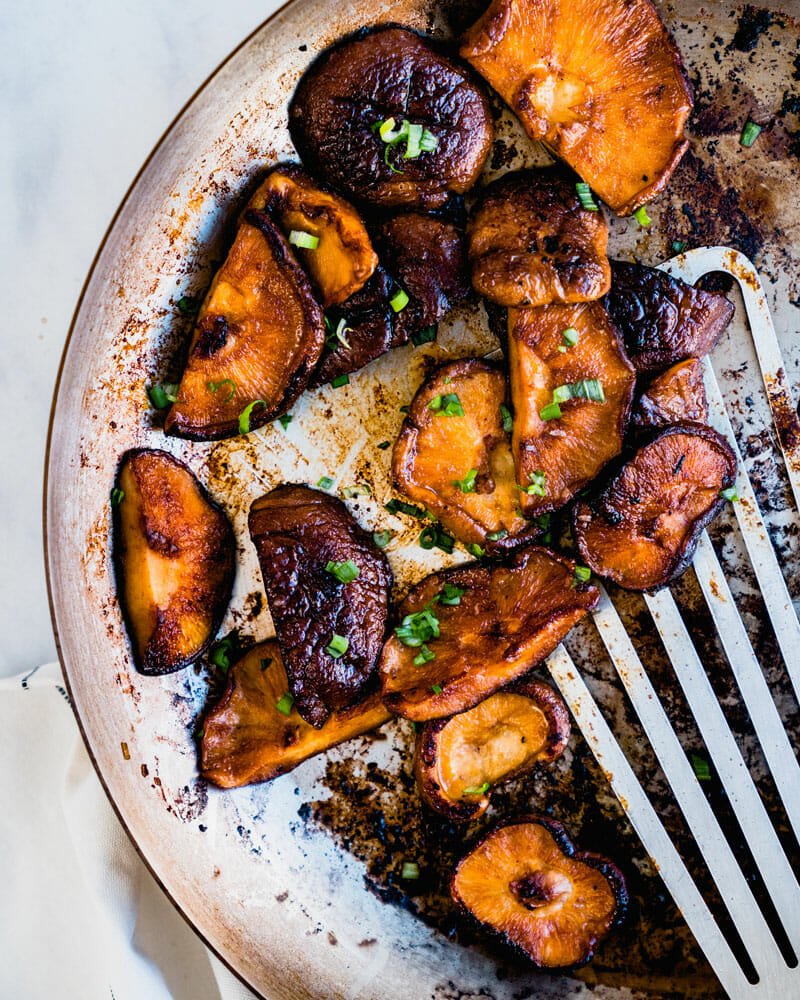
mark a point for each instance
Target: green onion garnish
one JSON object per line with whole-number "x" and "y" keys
{"x": 550, "y": 412}
{"x": 730, "y": 494}
{"x": 345, "y": 572}
{"x": 750, "y": 133}
{"x": 436, "y": 688}
{"x": 582, "y": 574}
{"x": 418, "y": 628}
{"x": 701, "y": 769}
{"x": 451, "y": 595}
{"x": 586, "y": 199}
{"x": 117, "y": 496}
{"x": 395, "y": 506}
{"x": 222, "y": 651}
{"x": 424, "y": 336}
{"x": 410, "y": 870}
{"x": 305, "y": 240}
{"x": 434, "y": 537}
{"x": 325, "y": 482}
{"x": 285, "y": 420}
{"x": 162, "y": 396}
{"x": 508, "y": 420}
{"x": 337, "y": 334}
{"x": 399, "y": 300}
{"x": 244, "y": 416}
{"x": 339, "y": 381}
{"x": 467, "y": 484}
{"x": 587, "y": 388}
{"x": 338, "y": 646}
{"x": 213, "y": 386}
{"x": 477, "y": 789}
{"x": 424, "y": 655}
{"x": 386, "y": 129}
{"x": 403, "y": 409}
{"x": 641, "y": 216}
{"x": 357, "y": 490}
{"x": 413, "y": 143}
{"x": 537, "y": 485}
{"x": 474, "y": 549}
{"x": 381, "y": 538}
{"x": 284, "y": 706}
{"x": 570, "y": 336}
{"x": 678, "y": 246}
{"x": 448, "y": 405}
{"x": 495, "y": 536}
{"x": 188, "y": 305}
{"x": 383, "y": 445}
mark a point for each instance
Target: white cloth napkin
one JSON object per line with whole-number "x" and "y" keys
{"x": 80, "y": 915}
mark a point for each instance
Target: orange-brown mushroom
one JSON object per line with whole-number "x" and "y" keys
{"x": 676, "y": 395}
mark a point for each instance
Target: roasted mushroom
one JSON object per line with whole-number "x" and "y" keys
{"x": 527, "y": 884}
{"x": 676, "y": 395}
{"x": 327, "y": 585}
{"x": 258, "y": 337}
{"x": 600, "y": 84}
{"x": 643, "y": 528}
{"x": 532, "y": 243}
{"x": 662, "y": 319}
{"x": 388, "y": 120}
{"x": 358, "y": 331}
{"x": 175, "y": 560}
{"x": 466, "y": 632}
{"x": 453, "y": 455}
{"x": 571, "y": 386}
{"x": 326, "y": 232}
{"x": 459, "y": 760}
{"x": 254, "y": 733}
{"x": 427, "y": 259}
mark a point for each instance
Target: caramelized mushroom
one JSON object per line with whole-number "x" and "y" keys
{"x": 426, "y": 257}
{"x": 258, "y": 336}
{"x": 662, "y": 319}
{"x": 527, "y": 884}
{"x": 327, "y": 585}
{"x": 254, "y": 733}
{"x": 643, "y": 528}
{"x": 341, "y": 259}
{"x": 676, "y": 395}
{"x": 460, "y": 467}
{"x": 532, "y": 243}
{"x": 174, "y": 552}
{"x": 348, "y": 113}
{"x": 559, "y": 447}
{"x": 459, "y": 760}
{"x": 600, "y": 84}
{"x": 466, "y": 632}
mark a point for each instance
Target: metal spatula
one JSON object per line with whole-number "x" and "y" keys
{"x": 778, "y": 979}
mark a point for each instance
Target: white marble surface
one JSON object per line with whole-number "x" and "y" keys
{"x": 86, "y": 90}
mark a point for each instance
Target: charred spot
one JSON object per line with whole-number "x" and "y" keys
{"x": 212, "y": 335}
{"x": 753, "y": 22}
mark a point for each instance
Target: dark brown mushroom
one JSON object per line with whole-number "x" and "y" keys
{"x": 677, "y": 394}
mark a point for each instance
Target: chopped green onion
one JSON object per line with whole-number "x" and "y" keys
{"x": 117, "y": 496}
{"x": 495, "y": 536}
{"x": 435, "y": 403}
{"x": 413, "y": 143}
{"x": 305, "y": 240}
{"x": 410, "y": 870}
{"x": 537, "y": 485}
{"x": 678, "y": 246}
{"x": 750, "y": 133}
{"x": 508, "y": 420}
{"x": 585, "y": 195}
{"x": 223, "y": 651}
{"x": 451, "y": 595}
{"x": 384, "y": 445}
{"x": 701, "y": 769}
{"x": 161, "y": 396}
{"x": 395, "y": 506}
{"x": 477, "y": 789}
{"x": 244, "y": 416}
{"x": 550, "y": 412}
{"x": 467, "y": 484}
{"x": 730, "y": 494}
{"x": 429, "y": 141}
{"x": 284, "y": 706}
{"x": 436, "y": 688}
{"x": 339, "y": 381}
{"x": 345, "y": 572}
{"x": 337, "y": 335}
{"x": 188, "y": 305}
{"x": 285, "y": 420}
{"x": 404, "y": 409}
{"x": 399, "y": 300}
{"x": 418, "y": 628}
{"x": 424, "y": 655}
{"x": 424, "y": 336}
{"x": 325, "y": 482}
{"x": 582, "y": 574}
{"x": 338, "y": 646}
{"x": 381, "y": 538}
{"x": 588, "y": 388}
{"x": 448, "y": 405}
{"x": 434, "y": 537}
{"x": 213, "y": 386}
{"x": 642, "y": 217}
{"x": 570, "y": 336}
{"x": 357, "y": 490}
{"x": 385, "y": 129}
{"x": 474, "y": 549}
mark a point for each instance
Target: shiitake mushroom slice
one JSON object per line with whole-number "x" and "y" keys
{"x": 339, "y": 256}
{"x": 175, "y": 558}
{"x": 641, "y": 531}
{"x": 327, "y": 586}
{"x": 560, "y": 447}
{"x": 466, "y": 632}
{"x": 340, "y": 119}
{"x": 528, "y": 885}
{"x": 259, "y": 334}
{"x": 663, "y": 319}
{"x": 531, "y": 242}
{"x": 254, "y": 733}
{"x": 426, "y": 257}
{"x": 458, "y": 761}
{"x": 678, "y": 394}
{"x": 453, "y": 456}
{"x": 600, "y": 84}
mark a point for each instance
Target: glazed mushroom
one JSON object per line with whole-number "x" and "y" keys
{"x": 464, "y": 633}
{"x": 388, "y": 120}
{"x": 259, "y": 334}
{"x": 662, "y": 319}
{"x": 600, "y": 84}
{"x": 175, "y": 559}
{"x": 676, "y": 395}
{"x": 453, "y": 455}
{"x": 532, "y": 243}
{"x": 327, "y": 586}
{"x": 458, "y": 761}
{"x": 571, "y": 387}
{"x": 527, "y": 884}
{"x": 643, "y": 528}
{"x": 254, "y": 732}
